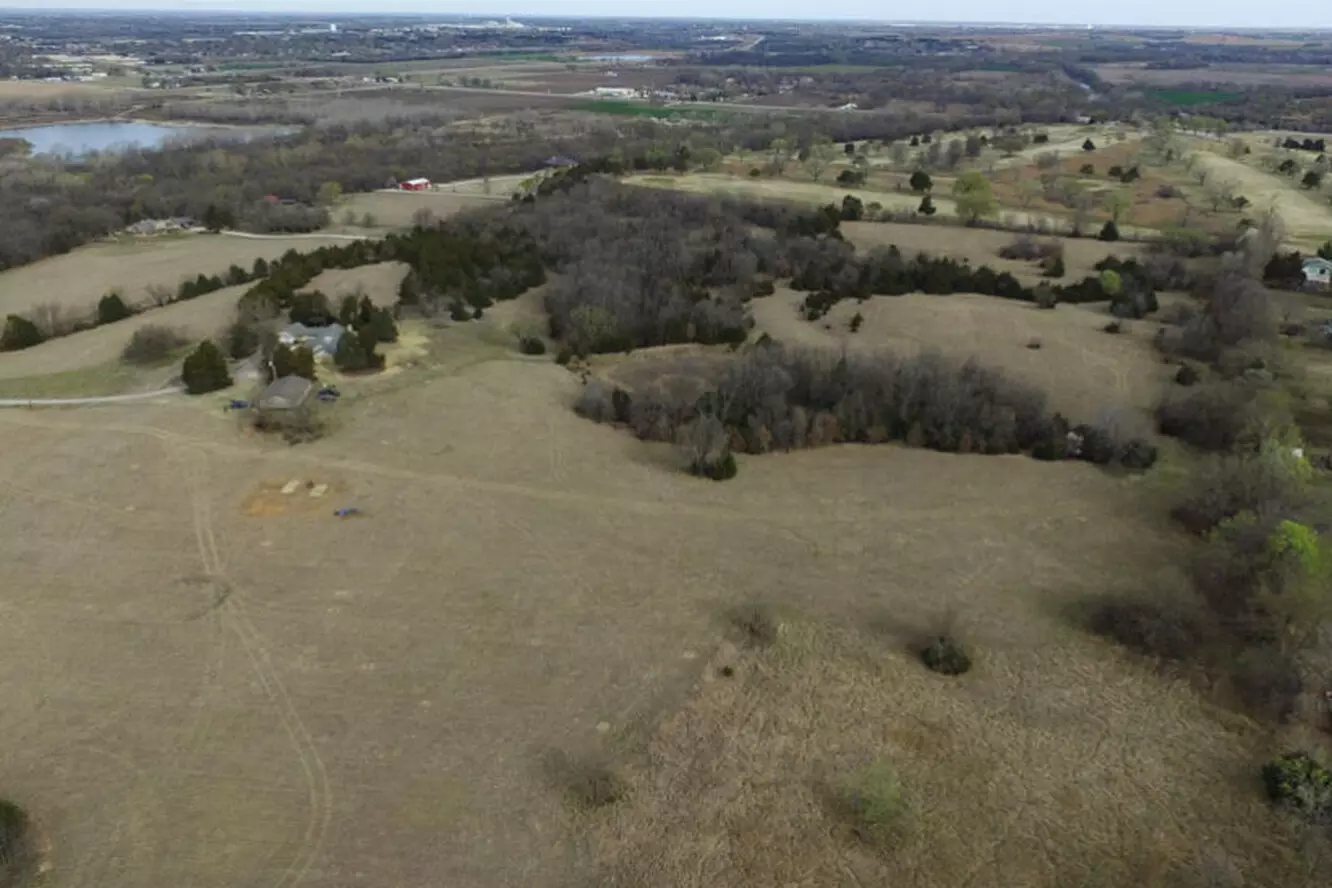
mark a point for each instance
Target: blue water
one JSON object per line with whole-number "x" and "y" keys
{"x": 79, "y": 139}
{"x": 621, "y": 57}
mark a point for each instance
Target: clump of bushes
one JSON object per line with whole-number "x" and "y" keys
{"x": 946, "y": 655}
{"x": 532, "y": 345}
{"x": 152, "y": 344}
{"x": 1027, "y": 249}
{"x": 589, "y": 781}
{"x": 19, "y": 333}
{"x": 1298, "y": 781}
{"x": 112, "y": 308}
{"x": 1150, "y": 628}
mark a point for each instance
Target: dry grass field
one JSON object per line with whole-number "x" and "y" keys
{"x": 1049, "y": 765}
{"x": 242, "y": 692}
{"x": 981, "y": 246}
{"x": 1084, "y": 369}
{"x": 1290, "y": 76}
{"x": 379, "y": 282}
{"x": 76, "y": 280}
{"x": 1308, "y": 221}
{"x": 198, "y": 318}
{"x": 395, "y": 209}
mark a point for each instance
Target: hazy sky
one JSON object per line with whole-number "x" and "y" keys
{"x": 1198, "y": 13}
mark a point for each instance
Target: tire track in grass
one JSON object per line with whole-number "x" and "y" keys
{"x": 252, "y": 645}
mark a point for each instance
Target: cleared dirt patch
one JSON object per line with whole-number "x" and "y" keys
{"x": 78, "y": 279}
{"x": 1083, "y": 369}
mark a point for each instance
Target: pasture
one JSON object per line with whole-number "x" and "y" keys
{"x": 980, "y": 246}
{"x": 75, "y": 281}
{"x": 200, "y": 318}
{"x": 1083, "y": 369}
{"x": 1308, "y": 220}
{"x": 395, "y": 209}
{"x": 299, "y": 699}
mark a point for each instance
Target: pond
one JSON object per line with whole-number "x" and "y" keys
{"x": 79, "y": 139}
{"x": 621, "y": 57}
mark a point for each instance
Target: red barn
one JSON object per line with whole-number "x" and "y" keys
{"x": 415, "y": 185}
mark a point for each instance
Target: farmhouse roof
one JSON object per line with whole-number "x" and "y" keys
{"x": 286, "y": 393}
{"x": 320, "y": 339}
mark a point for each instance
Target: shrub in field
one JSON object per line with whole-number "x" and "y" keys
{"x": 706, "y": 447}
{"x": 1297, "y": 780}
{"x": 1150, "y": 628}
{"x": 921, "y": 181}
{"x": 205, "y": 370}
{"x": 1187, "y": 375}
{"x": 532, "y": 345}
{"x": 1114, "y": 327}
{"x": 112, "y": 308}
{"x": 152, "y": 344}
{"x": 1109, "y": 231}
{"x": 1209, "y": 417}
{"x": 1268, "y": 682}
{"x": 19, "y": 333}
{"x": 241, "y": 339}
{"x": 946, "y": 655}
{"x": 15, "y": 851}
{"x": 874, "y": 801}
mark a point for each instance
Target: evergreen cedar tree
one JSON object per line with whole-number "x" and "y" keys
{"x": 205, "y": 370}
{"x": 1109, "y": 232}
{"x": 927, "y": 207}
{"x": 1089, "y": 145}
{"x": 19, "y": 333}
{"x": 111, "y": 308}
{"x": 921, "y": 181}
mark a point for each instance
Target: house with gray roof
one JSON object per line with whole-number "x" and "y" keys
{"x": 323, "y": 341}
{"x": 1318, "y": 272}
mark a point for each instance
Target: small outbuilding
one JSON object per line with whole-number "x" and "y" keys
{"x": 415, "y": 185}
{"x": 287, "y": 393}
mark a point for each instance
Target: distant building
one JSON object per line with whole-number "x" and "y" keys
{"x": 323, "y": 341}
{"x": 415, "y": 185}
{"x": 615, "y": 92}
{"x": 1318, "y": 272}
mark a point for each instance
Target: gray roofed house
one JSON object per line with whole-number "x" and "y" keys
{"x": 320, "y": 340}
{"x": 286, "y": 393}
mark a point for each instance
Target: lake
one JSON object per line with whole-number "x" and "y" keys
{"x": 78, "y": 139}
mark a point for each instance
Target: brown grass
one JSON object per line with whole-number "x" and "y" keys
{"x": 78, "y": 279}
{"x": 395, "y": 209}
{"x": 290, "y": 698}
{"x": 980, "y": 246}
{"x": 379, "y": 281}
{"x": 1030, "y": 772}
{"x": 199, "y": 318}
{"x": 1083, "y": 369}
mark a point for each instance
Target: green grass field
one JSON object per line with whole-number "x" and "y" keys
{"x": 1192, "y": 97}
